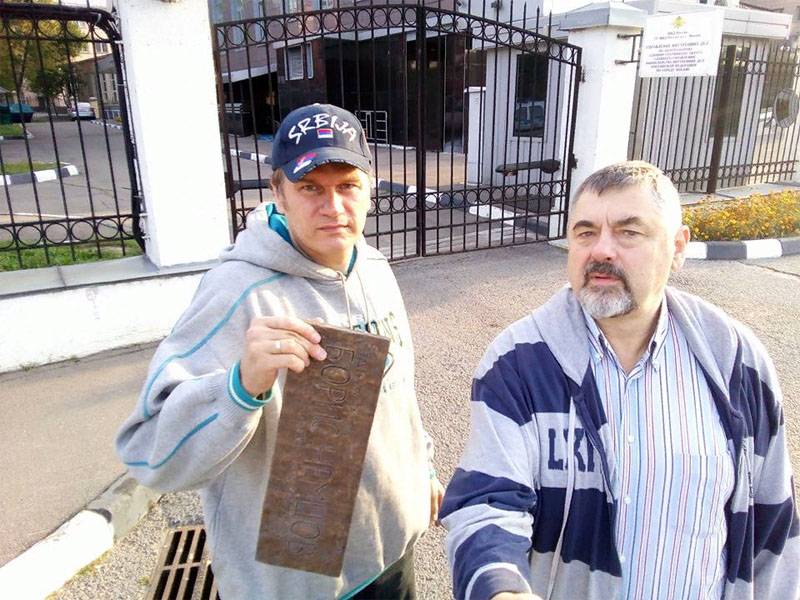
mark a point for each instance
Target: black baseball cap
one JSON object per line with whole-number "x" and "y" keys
{"x": 318, "y": 134}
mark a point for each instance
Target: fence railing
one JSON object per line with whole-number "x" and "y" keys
{"x": 737, "y": 128}
{"x": 471, "y": 120}
{"x": 69, "y": 189}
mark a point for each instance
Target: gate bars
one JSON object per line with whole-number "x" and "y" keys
{"x": 476, "y": 150}
{"x": 735, "y": 129}
{"x": 53, "y": 60}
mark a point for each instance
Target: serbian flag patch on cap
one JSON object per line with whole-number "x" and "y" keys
{"x": 324, "y": 133}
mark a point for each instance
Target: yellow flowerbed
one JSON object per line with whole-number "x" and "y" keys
{"x": 754, "y": 218}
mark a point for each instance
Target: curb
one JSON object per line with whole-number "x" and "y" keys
{"x": 748, "y": 249}
{"x": 106, "y": 123}
{"x": 39, "y": 176}
{"x": 47, "y": 565}
{"x": 264, "y": 159}
{"x": 28, "y": 135}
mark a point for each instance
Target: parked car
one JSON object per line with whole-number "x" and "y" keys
{"x": 20, "y": 112}
{"x": 83, "y": 110}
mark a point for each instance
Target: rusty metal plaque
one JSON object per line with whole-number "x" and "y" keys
{"x": 322, "y": 439}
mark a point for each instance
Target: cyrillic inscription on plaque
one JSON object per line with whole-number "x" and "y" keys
{"x": 323, "y": 433}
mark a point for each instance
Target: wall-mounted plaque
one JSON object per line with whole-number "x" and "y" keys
{"x": 322, "y": 439}
{"x": 681, "y": 45}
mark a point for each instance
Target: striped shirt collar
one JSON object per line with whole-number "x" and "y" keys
{"x": 600, "y": 347}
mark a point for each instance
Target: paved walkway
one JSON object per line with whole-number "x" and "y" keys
{"x": 56, "y": 440}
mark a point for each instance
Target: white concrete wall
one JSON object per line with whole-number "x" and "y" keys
{"x": 46, "y": 327}
{"x": 170, "y": 72}
{"x": 605, "y": 99}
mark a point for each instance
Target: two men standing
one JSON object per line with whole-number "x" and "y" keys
{"x": 627, "y": 438}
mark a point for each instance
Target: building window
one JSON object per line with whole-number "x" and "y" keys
{"x": 294, "y": 6}
{"x": 530, "y": 103}
{"x": 108, "y": 85}
{"x": 294, "y": 62}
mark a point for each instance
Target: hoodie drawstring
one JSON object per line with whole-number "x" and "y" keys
{"x": 567, "y": 498}
{"x": 343, "y": 279}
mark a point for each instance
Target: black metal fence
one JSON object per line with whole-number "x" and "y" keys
{"x": 471, "y": 120}
{"x": 737, "y": 128}
{"x": 69, "y": 189}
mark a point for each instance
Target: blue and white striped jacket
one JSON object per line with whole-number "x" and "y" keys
{"x": 534, "y": 397}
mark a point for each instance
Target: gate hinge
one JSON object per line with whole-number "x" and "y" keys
{"x": 573, "y": 160}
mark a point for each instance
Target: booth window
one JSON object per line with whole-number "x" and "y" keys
{"x": 294, "y": 62}
{"x": 530, "y": 99}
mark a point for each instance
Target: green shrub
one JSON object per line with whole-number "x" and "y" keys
{"x": 10, "y": 129}
{"x": 754, "y": 218}
{"x": 33, "y": 258}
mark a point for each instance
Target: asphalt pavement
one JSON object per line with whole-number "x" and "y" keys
{"x": 64, "y": 417}
{"x": 102, "y": 185}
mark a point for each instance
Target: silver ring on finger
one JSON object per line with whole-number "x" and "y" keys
{"x": 277, "y": 345}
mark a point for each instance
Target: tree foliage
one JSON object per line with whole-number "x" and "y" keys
{"x": 36, "y": 55}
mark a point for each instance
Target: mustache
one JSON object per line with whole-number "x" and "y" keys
{"x": 605, "y": 268}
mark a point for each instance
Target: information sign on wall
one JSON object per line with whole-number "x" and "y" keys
{"x": 681, "y": 45}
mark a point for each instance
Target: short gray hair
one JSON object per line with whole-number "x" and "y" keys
{"x": 636, "y": 173}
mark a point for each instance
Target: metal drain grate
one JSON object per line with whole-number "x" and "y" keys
{"x": 184, "y": 571}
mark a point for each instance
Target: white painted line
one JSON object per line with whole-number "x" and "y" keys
{"x": 47, "y": 565}
{"x": 492, "y": 212}
{"x": 247, "y": 155}
{"x": 49, "y": 175}
{"x": 763, "y": 248}
{"x": 697, "y": 250}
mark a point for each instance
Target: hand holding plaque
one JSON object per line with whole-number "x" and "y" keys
{"x": 322, "y": 439}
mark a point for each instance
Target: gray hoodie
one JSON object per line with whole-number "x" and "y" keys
{"x": 194, "y": 427}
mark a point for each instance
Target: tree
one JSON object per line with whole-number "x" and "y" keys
{"x": 35, "y": 54}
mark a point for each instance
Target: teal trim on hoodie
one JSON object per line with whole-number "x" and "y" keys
{"x": 239, "y": 395}
{"x": 277, "y": 222}
{"x": 149, "y": 386}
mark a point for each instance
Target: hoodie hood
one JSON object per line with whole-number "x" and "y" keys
{"x": 699, "y": 322}
{"x": 264, "y": 246}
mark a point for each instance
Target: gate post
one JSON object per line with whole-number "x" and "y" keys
{"x": 474, "y": 100}
{"x": 605, "y": 102}
{"x": 171, "y": 81}
{"x": 723, "y": 118}
{"x": 422, "y": 76}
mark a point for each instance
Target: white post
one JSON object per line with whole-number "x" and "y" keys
{"x": 170, "y": 72}
{"x": 605, "y": 97}
{"x": 475, "y": 99}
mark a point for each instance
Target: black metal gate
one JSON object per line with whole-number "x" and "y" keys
{"x": 737, "y": 128}
{"x": 63, "y": 114}
{"x": 471, "y": 120}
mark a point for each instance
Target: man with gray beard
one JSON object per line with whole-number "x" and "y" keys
{"x": 627, "y": 439}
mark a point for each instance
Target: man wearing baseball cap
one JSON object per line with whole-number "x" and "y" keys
{"x": 208, "y": 414}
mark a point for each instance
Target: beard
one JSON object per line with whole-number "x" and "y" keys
{"x": 606, "y": 301}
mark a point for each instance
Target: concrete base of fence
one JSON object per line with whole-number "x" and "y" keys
{"x": 59, "y": 313}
